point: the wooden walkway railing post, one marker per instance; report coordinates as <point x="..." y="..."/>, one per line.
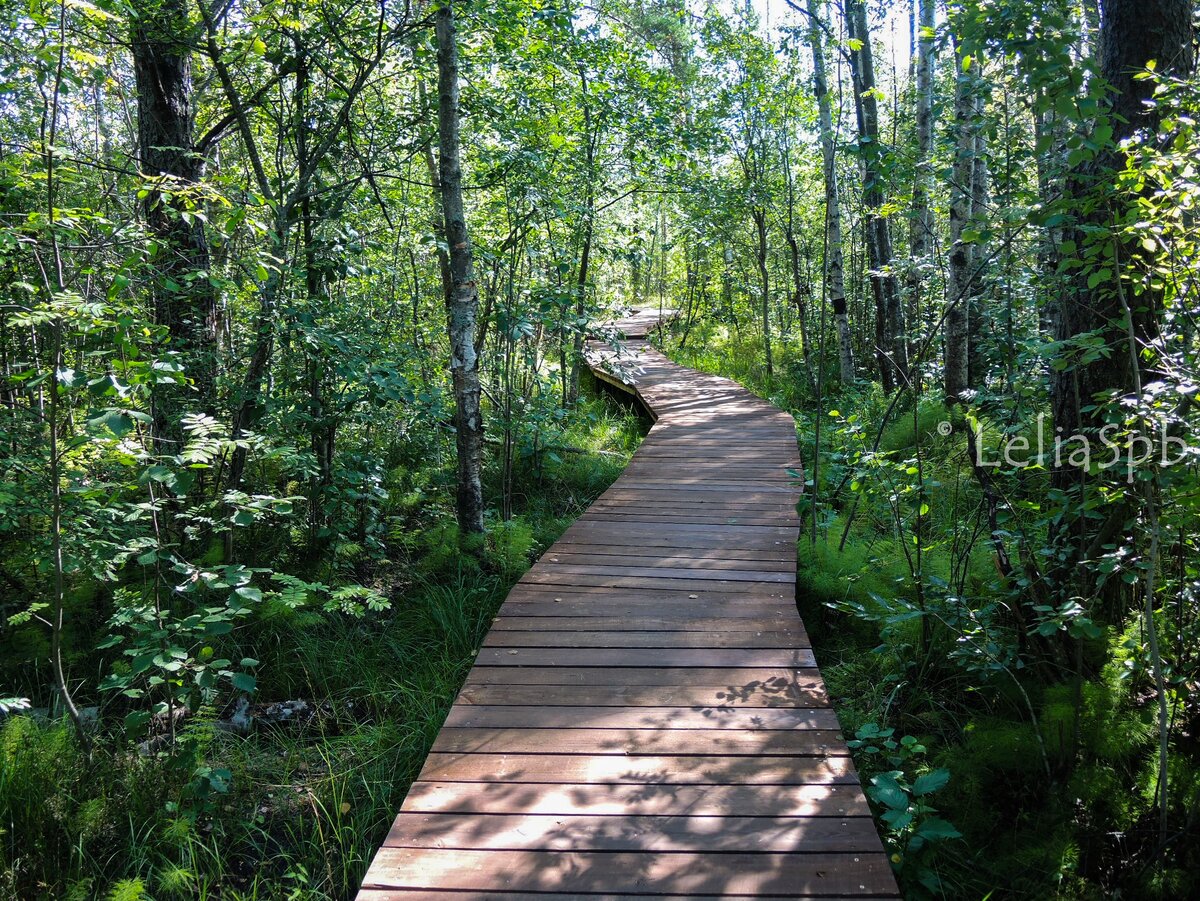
<point x="646" y="717"/>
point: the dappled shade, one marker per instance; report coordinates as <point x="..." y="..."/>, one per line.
<point x="646" y="715"/>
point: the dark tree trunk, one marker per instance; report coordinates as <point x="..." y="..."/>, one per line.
<point x="961" y="257"/>
<point x="892" y="346"/>
<point x="1132" y="33"/>
<point x="322" y="423"/>
<point x="589" y="227"/>
<point x="920" y="227"/>
<point x="835" y="269"/>
<point x="463" y="300"/>
<point x="764" y="281"/>
<point x="184" y="300"/>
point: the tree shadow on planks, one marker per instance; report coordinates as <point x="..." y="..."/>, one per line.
<point x="774" y="820"/>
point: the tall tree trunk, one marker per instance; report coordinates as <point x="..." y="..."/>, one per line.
<point x="981" y="325"/>
<point x="892" y="350"/>
<point x="759" y="214"/>
<point x="1101" y="510"/>
<point x="835" y="269"/>
<point x="921" y="223"/>
<point x="800" y="290"/>
<point x="585" y="249"/>
<point x="463" y="303"/>
<point x="1132" y="33"/>
<point x="322" y="425"/>
<point x="961" y="257"/>
<point x="1049" y="181"/>
<point x="184" y="299"/>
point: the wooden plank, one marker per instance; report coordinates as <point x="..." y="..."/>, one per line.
<point x="719" y="628"/>
<point x="589" y="637"/>
<point x="661" y="658"/>
<point x="683" y="486"/>
<point x="679" y="517"/>
<point x="714" y="559"/>
<point x="735" y="679"/>
<point x="514" y="832"/>
<point x="674" y="597"/>
<point x="551" y="604"/>
<point x="498" y="716"/>
<point x="700" y="494"/>
<point x="673" y="592"/>
<point x="799" y="875"/>
<point x="812" y="694"/>
<point x="637" y="799"/>
<point x="682" y="582"/>
<point x="557" y="571"/>
<point x="660" y="743"/>
<point x="764" y="775"/>
<point x="492" y="895"/>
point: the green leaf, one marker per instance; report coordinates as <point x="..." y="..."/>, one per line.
<point x="931" y="782"/>
<point x="897" y="819"/>
<point x="244" y="682"/>
<point x="887" y="791"/>
<point x="158" y="473"/>
<point x="118" y="422"/>
<point x="937" y="829"/>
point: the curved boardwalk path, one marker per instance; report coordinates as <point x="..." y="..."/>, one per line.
<point x="645" y="717"/>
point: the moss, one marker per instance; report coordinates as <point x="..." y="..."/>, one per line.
<point x="1002" y="748"/>
<point x="901" y="434"/>
<point x="1102" y="792"/>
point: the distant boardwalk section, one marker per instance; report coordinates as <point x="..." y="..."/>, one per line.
<point x="645" y="717"/>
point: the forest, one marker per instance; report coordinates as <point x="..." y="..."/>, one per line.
<point x="293" y="309"/>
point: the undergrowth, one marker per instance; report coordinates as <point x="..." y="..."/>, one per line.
<point x="296" y="810"/>
<point x="1049" y="785"/>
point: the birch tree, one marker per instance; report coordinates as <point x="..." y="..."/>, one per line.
<point x="835" y="269"/>
<point x="463" y="296"/>
<point x="891" y="344"/>
<point x="921" y="226"/>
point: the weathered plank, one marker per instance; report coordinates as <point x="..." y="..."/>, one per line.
<point x="695" y="874"/>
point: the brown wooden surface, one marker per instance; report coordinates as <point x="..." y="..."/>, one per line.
<point x="645" y="718"/>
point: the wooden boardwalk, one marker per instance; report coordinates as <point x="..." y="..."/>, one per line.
<point x="645" y="717"/>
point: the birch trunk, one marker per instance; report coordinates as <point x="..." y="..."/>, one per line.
<point x="958" y="276"/>
<point x="759" y="215"/>
<point x="463" y="296"/>
<point x="979" y="198"/>
<point x="835" y="269"/>
<point x="892" y="349"/>
<point x="589" y="225"/>
<point x="921" y="224"/>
